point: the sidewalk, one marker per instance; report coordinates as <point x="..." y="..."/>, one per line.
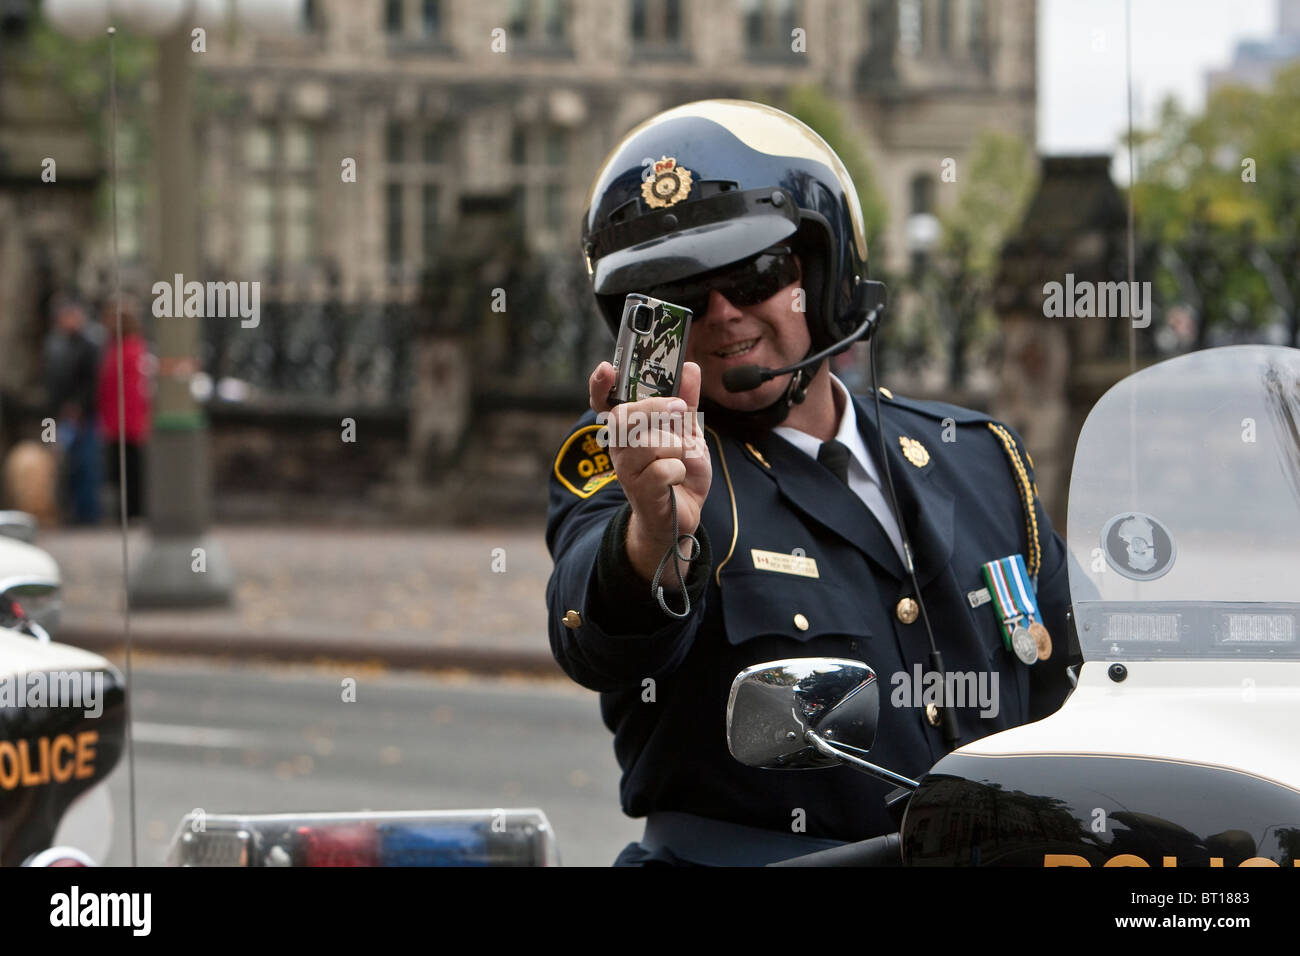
<point x="427" y="598"/>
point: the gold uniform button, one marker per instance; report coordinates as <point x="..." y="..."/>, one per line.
<point x="886" y="392"/>
<point x="907" y="610"/>
<point x="801" y="622"/>
<point x="932" y="714"/>
<point x="572" y="620"/>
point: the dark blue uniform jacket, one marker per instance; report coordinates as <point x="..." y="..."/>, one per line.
<point x="664" y="682"/>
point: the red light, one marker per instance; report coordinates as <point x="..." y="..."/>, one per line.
<point x="339" y="846"/>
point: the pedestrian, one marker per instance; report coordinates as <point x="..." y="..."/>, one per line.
<point x="126" y="434"/>
<point x="71" y="365"/>
<point x="744" y="215"/>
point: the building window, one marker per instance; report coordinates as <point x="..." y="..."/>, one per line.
<point x="419" y="168"/>
<point x="417" y="21"/>
<point x="538" y="23"/>
<point x="430" y="218"/>
<point x="393" y="19"/>
<point x="554" y="206"/>
<point x="656" y="23"/>
<point x="300" y="224"/>
<point x="922" y="193"/>
<point x="313" y="19"/>
<point x="944" y="25"/>
<point x="910" y="27"/>
<point x="431" y="18"/>
<point x="393" y="205"/>
<point x="921" y="189"/>
<point x="298" y="146"/>
<point x="769" y="24"/>
<point x="280" y="201"/>
<point x="434" y="149"/>
<point x="540" y="154"/>
<point x="259" y="224"/>
<point x="557" y="146"/>
<point x="395" y="142"/>
<point x="883" y="34"/>
<point x="976" y="35"/>
<point x="553" y="20"/>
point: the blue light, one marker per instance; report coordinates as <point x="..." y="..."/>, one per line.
<point x="434" y="844"/>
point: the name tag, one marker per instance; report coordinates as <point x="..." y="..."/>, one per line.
<point x="784" y="563"/>
<point x="979" y="597"/>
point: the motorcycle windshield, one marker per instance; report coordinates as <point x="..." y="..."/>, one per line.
<point x="1184" y="511"/>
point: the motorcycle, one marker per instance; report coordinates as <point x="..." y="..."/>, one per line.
<point x="62" y="731"/>
<point x="62" y="718"/>
<point x="1175" y="747"/>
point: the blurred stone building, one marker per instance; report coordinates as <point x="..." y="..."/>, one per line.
<point x="384" y="167"/>
<point x="437" y="100"/>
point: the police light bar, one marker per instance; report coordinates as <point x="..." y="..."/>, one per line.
<point x="499" y="837"/>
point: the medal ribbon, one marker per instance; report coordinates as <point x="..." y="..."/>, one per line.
<point x="1006" y="579"/>
<point x="1023" y="590"/>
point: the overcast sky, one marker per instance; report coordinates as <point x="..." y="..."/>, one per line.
<point x="1081" y="49"/>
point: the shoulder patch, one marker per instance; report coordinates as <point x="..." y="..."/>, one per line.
<point x="583" y="465"/>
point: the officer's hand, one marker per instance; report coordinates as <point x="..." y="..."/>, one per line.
<point x="654" y="447"/>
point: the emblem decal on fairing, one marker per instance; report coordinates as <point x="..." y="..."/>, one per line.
<point x="1138" y="546"/>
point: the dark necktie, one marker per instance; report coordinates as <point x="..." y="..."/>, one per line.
<point x="835" y="456"/>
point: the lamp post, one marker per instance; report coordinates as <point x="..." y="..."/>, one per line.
<point x="184" y="566"/>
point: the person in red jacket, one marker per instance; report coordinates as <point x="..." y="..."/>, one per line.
<point x="137" y="378"/>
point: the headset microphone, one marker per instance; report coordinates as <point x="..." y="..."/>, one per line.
<point x="742" y="378"/>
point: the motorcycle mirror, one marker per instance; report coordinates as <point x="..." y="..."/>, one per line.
<point x="29" y="604"/>
<point x="802" y="714"/>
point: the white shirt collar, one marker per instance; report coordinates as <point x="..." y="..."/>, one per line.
<point x="848" y="433"/>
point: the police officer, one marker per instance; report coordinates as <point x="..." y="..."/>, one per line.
<point x="743" y="214"/>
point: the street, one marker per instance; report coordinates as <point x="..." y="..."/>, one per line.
<point x="229" y="737"/>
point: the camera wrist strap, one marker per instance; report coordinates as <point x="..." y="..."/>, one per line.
<point x="674" y="551"/>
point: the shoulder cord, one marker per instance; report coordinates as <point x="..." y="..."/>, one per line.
<point x="674" y="550"/>
<point x="1027" y="494"/>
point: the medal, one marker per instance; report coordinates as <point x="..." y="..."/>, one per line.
<point x="1009" y="587"/>
<point x="1042" y="639"/>
<point x="1024" y="645"/>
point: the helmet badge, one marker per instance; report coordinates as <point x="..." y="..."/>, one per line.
<point x="670" y="184"/>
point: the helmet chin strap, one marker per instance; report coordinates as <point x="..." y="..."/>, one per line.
<point x="754" y="424"/>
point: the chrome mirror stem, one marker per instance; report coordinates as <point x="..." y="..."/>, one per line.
<point x="830" y="750"/>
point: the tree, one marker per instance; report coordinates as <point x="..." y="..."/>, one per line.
<point x="995" y="187"/>
<point x="809" y="104"/>
<point x="1220" y="189"/>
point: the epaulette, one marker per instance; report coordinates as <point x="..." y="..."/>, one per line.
<point x="936" y="410"/>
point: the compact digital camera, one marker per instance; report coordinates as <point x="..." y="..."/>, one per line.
<point x="650" y="350"/>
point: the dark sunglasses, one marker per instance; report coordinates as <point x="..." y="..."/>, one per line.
<point x="747" y="282"/>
